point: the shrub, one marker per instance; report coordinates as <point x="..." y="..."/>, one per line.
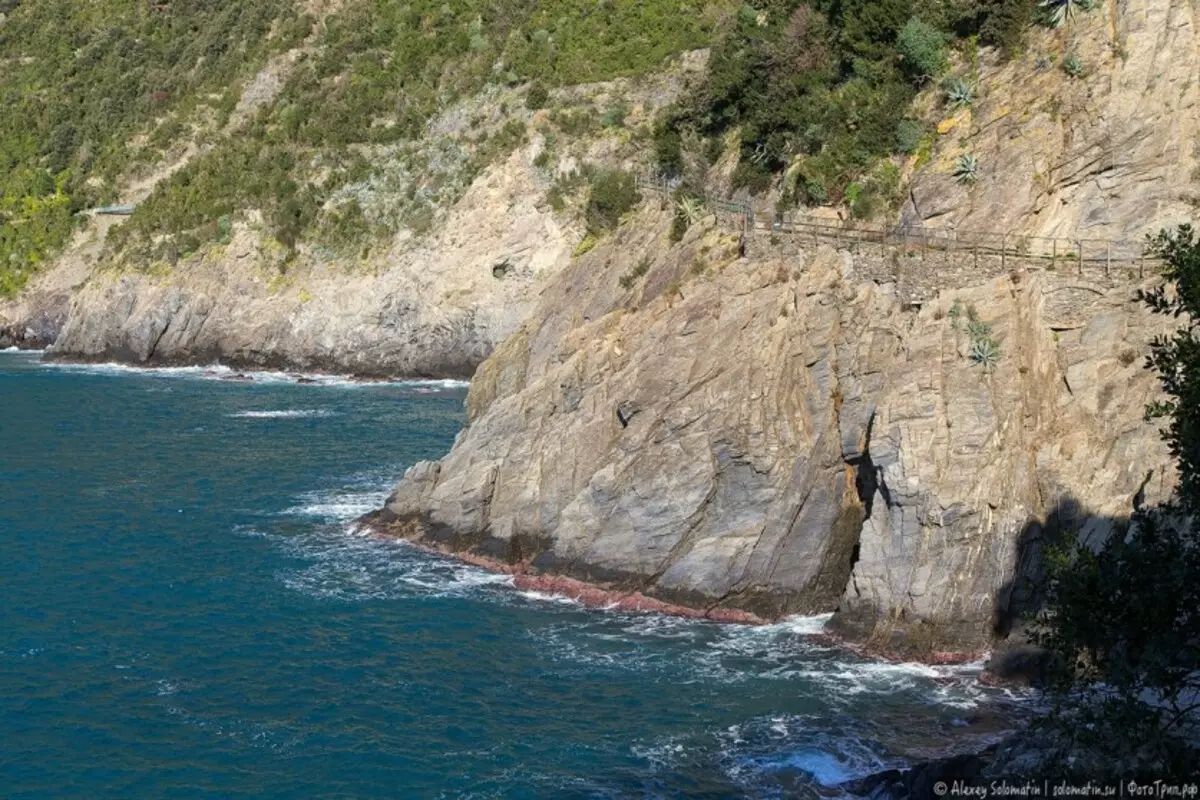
<point x="908" y="136"/>
<point x="815" y="192"/>
<point x="923" y="47"/>
<point x="611" y="193"/>
<point x="614" y="116"/>
<point x="1073" y="66"/>
<point x="1004" y="24"/>
<point x="536" y="96"/>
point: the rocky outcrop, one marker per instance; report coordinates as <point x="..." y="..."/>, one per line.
<point x="432" y="308"/>
<point x="1110" y="154"/>
<point x="780" y="435"/>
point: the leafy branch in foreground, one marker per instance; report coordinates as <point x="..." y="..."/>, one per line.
<point x="1123" y="622"/>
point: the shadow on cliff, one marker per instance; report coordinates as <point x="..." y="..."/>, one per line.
<point x="1024" y="595"/>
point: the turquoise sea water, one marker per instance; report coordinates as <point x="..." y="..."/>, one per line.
<point x="185" y="611"/>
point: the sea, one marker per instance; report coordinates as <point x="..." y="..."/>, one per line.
<point x="188" y="609"/>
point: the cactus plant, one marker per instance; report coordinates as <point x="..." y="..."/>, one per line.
<point x="958" y="92"/>
<point x="1073" y="66"/>
<point x="966" y="169"/>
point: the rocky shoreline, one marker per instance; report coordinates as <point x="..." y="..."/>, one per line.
<point x="597" y="595"/>
<point x="526" y="578"/>
<point x="300" y="371"/>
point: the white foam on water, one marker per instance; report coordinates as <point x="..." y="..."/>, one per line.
<point x="764" y="747"/>
<point x="350" y="564"/>
<point x="231" y="375"/>
<point x="545" y="597"/>
<point x="662" y="753"/>
<point x="337" y="506"/>
<point x="292" y="413"/>
<point x="803" y="626"/>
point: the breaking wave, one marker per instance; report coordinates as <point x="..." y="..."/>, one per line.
<point x="298" y="413"/>
<point x="220" y="372"/>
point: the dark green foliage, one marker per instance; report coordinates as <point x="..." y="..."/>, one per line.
<point x="1124" y="622"/>
<point x="537" y="96"/>
<point x="614" y="116"/>
<point x="611" y="193"/>
<point x="1176" y="359"/>
<point x="823" y="87"/>
<point x="1002" y="23"/>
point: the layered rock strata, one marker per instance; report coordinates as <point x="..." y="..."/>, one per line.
<point x="780" y="435"/>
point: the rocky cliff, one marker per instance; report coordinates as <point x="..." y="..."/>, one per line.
<point x="780" y="435"/>
<point x="1110" y="153"/>
<point x="432" y="307"/>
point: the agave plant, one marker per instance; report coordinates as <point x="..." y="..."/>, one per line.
<point x="1060" y="11"/>
<point x="966" y="169"/>
<point x="1073" y="65"/>
<point x="979" y="330"/>
<point x="690" y="208"/>
<point x="958" y="92"/>
<point x="985" y="352"/>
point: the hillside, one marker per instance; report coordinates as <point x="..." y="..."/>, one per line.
<point x="305" y="174"/>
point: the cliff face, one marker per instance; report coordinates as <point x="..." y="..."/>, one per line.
<point x="778" y="434"/>
<point x="1110" y="154"/>
<point x="436" y="307"/>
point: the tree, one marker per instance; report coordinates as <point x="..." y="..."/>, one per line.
<point x="612" y="193"/>
<point x="1123" y="623"/>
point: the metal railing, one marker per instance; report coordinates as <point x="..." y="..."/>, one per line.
<point x="1045" y="252"/>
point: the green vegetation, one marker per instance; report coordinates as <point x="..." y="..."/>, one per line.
<point x="79" y="81"/>
<point x="923" y="48"/>
<point x="611" y="193"/>
<point x="984" y="348"/>
<point x="819" y="92"/>
<point x="96" y="91"/>
<point x="1123" y="622"/>
<point x="1073" y="66"/>
<point x="958" y="92"/>
<point x="536" y="96"/>
<point x="1059" y="11"/>
<point x="966" y="168"/>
